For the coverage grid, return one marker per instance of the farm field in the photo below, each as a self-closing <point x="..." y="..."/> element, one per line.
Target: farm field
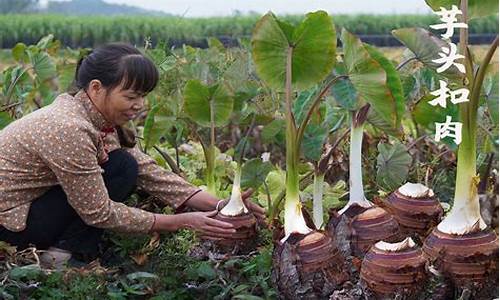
<point x="327" y="132"/>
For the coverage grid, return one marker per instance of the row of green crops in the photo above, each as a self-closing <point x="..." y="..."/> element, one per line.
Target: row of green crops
<point x="89" y="31"/>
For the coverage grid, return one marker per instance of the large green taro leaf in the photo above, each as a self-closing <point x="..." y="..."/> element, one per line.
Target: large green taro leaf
<point x="158" y="124"/>
<point x="476" y="8"/>
<point x="314" y="138"/>
<point x="313" y="56"/>
<point x="201" y="100"/>
<point x="393" y="83"/>
<point x="254" y="173"/>
<point x="393" y="164"/>
<point x="369" y="79"/>
<point x="426" y="47"/>
<point x="427" y="115"/>
<point x="43" y="65"/>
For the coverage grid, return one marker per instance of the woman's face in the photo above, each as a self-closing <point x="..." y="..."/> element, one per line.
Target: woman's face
<point x="118" y="106"/>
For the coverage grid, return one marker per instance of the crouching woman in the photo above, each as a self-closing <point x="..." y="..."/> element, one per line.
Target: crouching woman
<point x="66" y="168"/>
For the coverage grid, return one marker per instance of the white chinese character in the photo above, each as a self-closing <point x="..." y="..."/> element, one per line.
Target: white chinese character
<point x="441" y="93"/>
<point x="449" y="128"/>
<point x="448" y="57"/>
<point x="459" y="96"/>
<point x="456" y="96"/>
<point x="450" y="19"/>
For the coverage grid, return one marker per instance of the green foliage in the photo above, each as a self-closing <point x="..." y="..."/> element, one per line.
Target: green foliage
<point x="426" y="47"/>
<point x="427" y="115"/>
<point x="313" y="54"/>
<point x="393" y="164"/>
<point x="157" y="124"/>
<point x="492" y="99"/>
<point x="374" y="79"/>
<point x="33" y="82"/>
<point x="202" y="103"/>
<point x="476" y="8"/>
<point x="254" y="173"/>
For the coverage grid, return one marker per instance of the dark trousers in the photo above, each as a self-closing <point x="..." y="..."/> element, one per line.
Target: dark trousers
<point x="53" y="222"/>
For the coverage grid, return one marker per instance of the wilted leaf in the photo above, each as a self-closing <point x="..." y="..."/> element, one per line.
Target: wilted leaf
<point x="393" y="164"/>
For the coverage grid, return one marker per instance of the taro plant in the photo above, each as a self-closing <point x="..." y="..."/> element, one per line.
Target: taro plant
<point x="370" y="88"/>
<point x="288" y="59"/>
<point x="291" y="59"/>
<point x="40" y="71"/>
<point x="208" y="106"/>
<point x="200" y="90"/>
<point x="463" y="225"/>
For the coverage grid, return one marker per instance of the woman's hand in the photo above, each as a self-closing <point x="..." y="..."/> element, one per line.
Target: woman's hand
<point x="200" y="222"/>
<point x="258" y="211"/>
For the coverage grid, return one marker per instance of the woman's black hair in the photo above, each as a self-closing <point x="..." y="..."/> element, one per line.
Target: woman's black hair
<point x="116" y="63"/>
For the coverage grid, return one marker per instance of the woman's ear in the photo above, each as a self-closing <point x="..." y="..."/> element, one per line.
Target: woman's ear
<point x="95" y="88"/>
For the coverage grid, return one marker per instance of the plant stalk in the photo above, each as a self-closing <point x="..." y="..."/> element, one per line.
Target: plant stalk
<point x="319" y="179"/>
<point x="356" y="190"/>
<point x="294" y="220"/>
<point x="210" y="154"/>
<point x="465" y="216"/>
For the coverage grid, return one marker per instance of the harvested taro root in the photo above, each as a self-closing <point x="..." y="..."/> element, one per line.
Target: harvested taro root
<point x="415" y="207"/>
<point x="308" y="266"/>
<point x="244" y="240"/>
<point x="469" y="260"/>
<point x="394" y="270"/>
<point x="358" y="228"/>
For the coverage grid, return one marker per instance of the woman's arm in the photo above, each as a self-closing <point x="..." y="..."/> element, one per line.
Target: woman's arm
<point x="200" y="222"/>
<point x="166" y="186"/>
<point x="177" y="192"/>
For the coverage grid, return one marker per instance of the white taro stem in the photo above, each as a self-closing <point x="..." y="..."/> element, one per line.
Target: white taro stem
<point x="465" y="216"/>
<point x="356" y="191"/>
<point x="235" y="206"/>
<point x="319" y="179"/>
